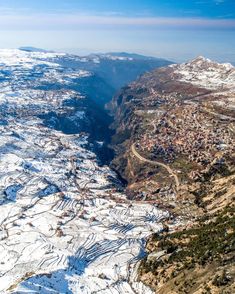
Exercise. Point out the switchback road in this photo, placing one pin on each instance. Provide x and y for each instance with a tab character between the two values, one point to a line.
157	163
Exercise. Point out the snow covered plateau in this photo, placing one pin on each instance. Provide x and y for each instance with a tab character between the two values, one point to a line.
64	225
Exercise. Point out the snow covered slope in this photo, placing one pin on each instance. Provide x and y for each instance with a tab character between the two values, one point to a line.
64	228
206	73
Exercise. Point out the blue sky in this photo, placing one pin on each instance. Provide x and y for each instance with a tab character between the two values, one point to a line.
173	29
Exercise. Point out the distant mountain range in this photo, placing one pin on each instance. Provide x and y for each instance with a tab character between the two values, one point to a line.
33	49
110	71
116	69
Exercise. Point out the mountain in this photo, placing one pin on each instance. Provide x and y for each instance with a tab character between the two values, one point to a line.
116	69
33	49
160	217
174	145
66	223
133	56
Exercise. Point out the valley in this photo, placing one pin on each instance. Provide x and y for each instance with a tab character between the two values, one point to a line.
66	225
118	197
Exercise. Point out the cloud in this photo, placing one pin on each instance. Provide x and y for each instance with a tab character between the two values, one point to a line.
218	2
209	2
76	21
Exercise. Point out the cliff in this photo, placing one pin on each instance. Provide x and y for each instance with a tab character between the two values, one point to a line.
174	146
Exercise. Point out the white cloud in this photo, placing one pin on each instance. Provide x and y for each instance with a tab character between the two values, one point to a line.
217	2
60	21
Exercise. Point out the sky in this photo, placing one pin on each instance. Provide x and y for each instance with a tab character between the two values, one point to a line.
175	29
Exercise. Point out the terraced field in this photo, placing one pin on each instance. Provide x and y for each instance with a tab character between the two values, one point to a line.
64	227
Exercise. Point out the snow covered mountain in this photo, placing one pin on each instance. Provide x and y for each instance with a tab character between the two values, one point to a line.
206	73
64	225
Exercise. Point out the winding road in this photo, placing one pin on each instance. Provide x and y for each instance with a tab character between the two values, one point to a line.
157	163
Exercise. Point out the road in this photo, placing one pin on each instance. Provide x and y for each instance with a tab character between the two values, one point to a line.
157	163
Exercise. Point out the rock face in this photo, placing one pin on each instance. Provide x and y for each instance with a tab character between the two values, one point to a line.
174	144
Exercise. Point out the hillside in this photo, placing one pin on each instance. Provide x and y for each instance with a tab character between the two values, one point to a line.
174	144
66	225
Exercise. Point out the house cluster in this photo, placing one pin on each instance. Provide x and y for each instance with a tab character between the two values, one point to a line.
187	131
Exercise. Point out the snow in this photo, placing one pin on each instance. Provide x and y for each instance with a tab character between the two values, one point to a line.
64	228
206	73
113	57
23	59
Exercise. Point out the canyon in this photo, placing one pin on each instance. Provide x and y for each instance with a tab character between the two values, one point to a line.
66	225
115	195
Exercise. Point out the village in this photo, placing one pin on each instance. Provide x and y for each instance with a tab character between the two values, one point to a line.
186	130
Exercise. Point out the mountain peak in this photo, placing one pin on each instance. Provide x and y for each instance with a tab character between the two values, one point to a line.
203	62
204	72
200	58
